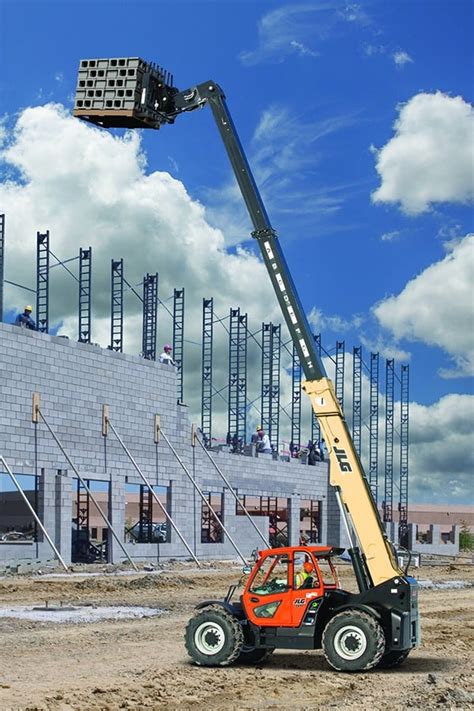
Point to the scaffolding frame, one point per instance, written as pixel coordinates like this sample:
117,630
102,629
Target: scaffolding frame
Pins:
270,381
116,305
42,281
178,339
404,449
295,399
315,428
237,400
2,262
357,398
85,294
150,316
374,426
389,411
206,369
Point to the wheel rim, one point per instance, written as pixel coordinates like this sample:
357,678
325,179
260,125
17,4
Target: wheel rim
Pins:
209,638
350,642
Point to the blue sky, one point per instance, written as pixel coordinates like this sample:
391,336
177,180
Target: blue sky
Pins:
374,215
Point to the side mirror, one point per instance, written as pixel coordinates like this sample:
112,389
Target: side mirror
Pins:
247,569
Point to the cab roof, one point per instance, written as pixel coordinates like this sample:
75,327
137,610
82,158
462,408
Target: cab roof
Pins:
317,551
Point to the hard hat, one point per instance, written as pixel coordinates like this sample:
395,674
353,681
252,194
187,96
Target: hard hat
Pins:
167,347
28,308
308,567
259,427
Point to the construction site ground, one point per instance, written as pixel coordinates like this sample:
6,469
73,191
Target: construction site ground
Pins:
142,664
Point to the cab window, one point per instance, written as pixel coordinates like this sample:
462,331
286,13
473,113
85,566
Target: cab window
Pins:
305,574
272,576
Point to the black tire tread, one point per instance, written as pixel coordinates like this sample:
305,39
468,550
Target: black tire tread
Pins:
236,628
377,633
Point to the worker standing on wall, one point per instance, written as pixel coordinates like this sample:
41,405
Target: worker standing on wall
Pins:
263,443
24,320
165,357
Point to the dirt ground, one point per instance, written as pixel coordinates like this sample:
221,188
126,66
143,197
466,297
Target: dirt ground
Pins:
142,663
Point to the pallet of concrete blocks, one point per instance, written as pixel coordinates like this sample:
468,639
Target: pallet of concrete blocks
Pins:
120,92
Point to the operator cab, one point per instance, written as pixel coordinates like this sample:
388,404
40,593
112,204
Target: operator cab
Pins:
287,583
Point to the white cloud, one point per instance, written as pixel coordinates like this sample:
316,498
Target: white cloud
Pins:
337,324
390,236
302,49
401,58
283,153
353,12
441,450
299,27
430,159
89,187
278,29
372,50
436,307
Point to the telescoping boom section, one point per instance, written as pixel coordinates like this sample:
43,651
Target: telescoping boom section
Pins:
147,99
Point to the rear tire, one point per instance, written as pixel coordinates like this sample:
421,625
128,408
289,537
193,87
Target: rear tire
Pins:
214,637
254,655
393,659
353,641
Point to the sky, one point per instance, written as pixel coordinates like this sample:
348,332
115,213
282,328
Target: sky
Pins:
357,122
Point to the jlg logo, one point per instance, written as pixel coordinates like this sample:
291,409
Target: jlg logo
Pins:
342,459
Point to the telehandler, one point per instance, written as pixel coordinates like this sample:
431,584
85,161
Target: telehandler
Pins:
292,598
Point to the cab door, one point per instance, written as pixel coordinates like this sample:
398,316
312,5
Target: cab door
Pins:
306,590
267,599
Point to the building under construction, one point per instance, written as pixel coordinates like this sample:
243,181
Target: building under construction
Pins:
101,461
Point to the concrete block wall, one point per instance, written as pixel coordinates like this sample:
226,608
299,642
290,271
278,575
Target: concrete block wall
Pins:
74,381
435,544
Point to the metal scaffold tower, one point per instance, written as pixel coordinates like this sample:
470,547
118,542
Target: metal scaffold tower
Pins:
2,262
237,416
116,306
42,281
404,445
389,407
315,429
374,425
270,389
150,312
356,397
340,365
85,283
206,372
178,338
296,399
274,432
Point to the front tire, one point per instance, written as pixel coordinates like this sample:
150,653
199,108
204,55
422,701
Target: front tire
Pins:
353,641
214,637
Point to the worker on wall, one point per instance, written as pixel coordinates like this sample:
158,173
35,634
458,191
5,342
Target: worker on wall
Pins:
263,442
24,320
166,357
